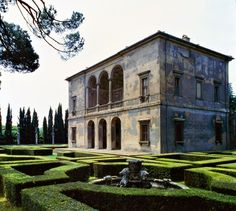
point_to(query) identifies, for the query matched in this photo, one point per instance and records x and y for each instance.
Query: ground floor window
(179, 132)
(144, 132)
(218, 133)
(73, 134)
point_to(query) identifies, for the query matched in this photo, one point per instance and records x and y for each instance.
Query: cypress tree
(8, 126)
(50, 126)
(1, 134)
(66, 126)
(22, 125)
(35, 127)
(0, 123)
(45, 130)
(28, 129)
(59, 126)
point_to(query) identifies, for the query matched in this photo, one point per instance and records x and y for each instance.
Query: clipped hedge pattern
(30, 150)
(82, 196)
(216, 179)
(13, 181)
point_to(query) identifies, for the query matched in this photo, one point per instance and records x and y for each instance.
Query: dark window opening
(73, 134)
(117, 84)
(144, 132)
(74, 106)
(92, 92)
(199, 90)
(177, 86)
(91, 134)
(144, 86)
(216, 93)
(179, 132)
(218, 133)
(104, 89)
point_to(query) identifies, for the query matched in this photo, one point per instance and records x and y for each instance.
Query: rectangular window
(74, 106)
(144, 86)
(199, 89)
(177, 86)
(218, 133)
(179, 132)
(216, 92)
(73, 134)
(144, 132)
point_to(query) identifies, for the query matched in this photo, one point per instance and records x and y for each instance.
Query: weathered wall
(134, 62)
(199, 132)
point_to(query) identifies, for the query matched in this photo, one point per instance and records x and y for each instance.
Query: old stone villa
(161, 94)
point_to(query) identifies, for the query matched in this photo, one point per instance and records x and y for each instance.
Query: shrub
(13, 181)
(74, 196)
(216, 179)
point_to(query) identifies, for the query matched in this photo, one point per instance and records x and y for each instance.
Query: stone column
(110, 91)
(87, 98)
(98, 88)
(109, 133)
(96, 138)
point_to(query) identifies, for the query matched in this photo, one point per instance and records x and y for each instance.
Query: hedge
(27, 150)
(206, 160)
(14, 178)
(216, 179)
(82, 196)
(173, 171)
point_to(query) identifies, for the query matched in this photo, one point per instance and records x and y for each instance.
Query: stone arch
(117, 84)
(102, 134)
(91, 134)
(115, 133)
(103, 88)
(92, 92)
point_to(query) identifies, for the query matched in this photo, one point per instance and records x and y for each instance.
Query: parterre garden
(34, 179)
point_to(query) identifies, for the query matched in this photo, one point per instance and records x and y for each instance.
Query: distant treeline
(53, 130)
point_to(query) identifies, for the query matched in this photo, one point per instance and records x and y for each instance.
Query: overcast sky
(110, 26)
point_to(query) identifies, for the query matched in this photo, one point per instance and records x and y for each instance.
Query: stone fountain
(136, 176)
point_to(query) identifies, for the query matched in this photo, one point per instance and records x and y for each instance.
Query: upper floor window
(216, 92)
(144, 86)
(199, 83)
(73, 105)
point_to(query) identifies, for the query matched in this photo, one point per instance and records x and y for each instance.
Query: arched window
(92, 92)
(103, 89)
(91, 134)
(116, 133)
(102, 134)
(117, 84)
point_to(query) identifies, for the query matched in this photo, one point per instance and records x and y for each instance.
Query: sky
(110, 26)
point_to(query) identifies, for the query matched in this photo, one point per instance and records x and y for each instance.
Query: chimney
(185, 38)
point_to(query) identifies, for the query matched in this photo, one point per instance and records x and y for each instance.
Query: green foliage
(59, 129)
(16, 52)
(35, 127)
(27, 150)
(216, 179)
(50, 126)
(81, 196)
(66, 125)
(45, 130)
(8, 127)
(17, 177)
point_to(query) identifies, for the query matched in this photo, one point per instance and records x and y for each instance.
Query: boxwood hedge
(27, 150)
(174, 171)
(216, 179)
(82, 196)
(16, 177)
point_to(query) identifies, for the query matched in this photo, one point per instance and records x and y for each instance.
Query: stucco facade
(162, 94)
